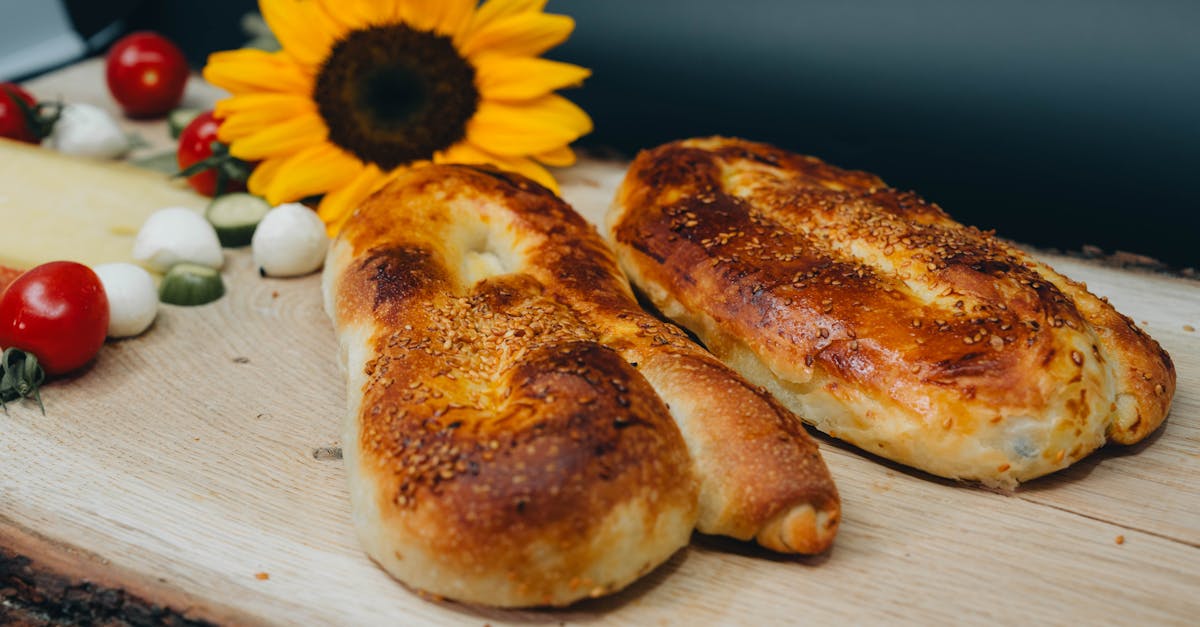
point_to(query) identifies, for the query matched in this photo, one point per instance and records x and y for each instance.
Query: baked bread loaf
(518, 430)
(877, 318)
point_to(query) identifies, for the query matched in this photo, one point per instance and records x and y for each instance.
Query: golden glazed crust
(873, 315)
(518, 429)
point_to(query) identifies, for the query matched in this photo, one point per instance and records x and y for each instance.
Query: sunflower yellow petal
(456, 15)
(420, 14)
(444, 17)
(249, 71)
(523, 78)
(303, 28)
(346, 15)
(524, 34)
(247, 103)
(314, 170)
(245, 114)
(355, 14)
(340, 203)
(392, 9)
(466, 153)
(533, 170)
(413, 16)
(559, 158)
(279, 139)
(263, 174)
(463, 152)
(493, 10)
(527, 128)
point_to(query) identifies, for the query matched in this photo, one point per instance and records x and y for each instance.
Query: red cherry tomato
(14, 124)
(196, 145)
(146, 74)
(59, 312)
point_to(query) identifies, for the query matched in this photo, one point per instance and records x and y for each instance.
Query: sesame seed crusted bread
(878, 319)
(519, 431)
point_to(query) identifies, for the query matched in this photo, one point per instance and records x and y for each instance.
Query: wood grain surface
(192, 467)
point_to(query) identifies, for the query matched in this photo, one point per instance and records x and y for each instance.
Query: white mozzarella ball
(177, 235)
(132, 298)
(87, 131)
(290, 241)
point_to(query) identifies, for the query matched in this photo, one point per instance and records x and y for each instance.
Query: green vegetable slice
(178, 119)
(190, 284)
(235, 217)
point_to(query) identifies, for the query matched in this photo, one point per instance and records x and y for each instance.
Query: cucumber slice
(190, 284)
(178, 119)
(235, 216)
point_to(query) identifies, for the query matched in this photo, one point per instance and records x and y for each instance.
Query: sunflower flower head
(362, 88)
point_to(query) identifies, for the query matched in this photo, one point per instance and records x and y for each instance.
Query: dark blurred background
(1059, 123)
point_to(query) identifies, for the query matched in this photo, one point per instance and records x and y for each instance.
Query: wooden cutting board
(189, 474)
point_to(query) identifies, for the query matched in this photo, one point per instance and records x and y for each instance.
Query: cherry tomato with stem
(146, 74)
(57, 311)
(206, 162)
(22, 117)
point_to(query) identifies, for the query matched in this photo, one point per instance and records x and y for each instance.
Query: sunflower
(361, 88)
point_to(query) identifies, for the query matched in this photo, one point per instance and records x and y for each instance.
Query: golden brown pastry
(877, 318)
(519, 429)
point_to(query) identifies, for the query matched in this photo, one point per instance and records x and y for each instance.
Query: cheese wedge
(54, 206)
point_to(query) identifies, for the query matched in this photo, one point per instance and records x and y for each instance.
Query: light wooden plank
(182, 463)
(172, 459)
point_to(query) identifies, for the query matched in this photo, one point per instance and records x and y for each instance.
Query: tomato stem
(21, 376)
(41, 117)
(228, 167)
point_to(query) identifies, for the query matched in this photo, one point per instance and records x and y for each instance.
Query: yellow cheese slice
(54, 206)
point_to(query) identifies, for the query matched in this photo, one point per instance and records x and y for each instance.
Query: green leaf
(21, 376)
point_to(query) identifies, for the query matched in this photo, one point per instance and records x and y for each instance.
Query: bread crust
(878, 319)
(514, 435)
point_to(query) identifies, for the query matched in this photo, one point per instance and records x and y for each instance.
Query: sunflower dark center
(392, 95)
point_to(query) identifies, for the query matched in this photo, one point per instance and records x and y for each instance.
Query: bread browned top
(496, 437)
(514, 396)
(816, 267)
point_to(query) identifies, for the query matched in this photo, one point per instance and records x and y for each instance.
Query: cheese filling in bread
(519, 431)
(877, 318)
